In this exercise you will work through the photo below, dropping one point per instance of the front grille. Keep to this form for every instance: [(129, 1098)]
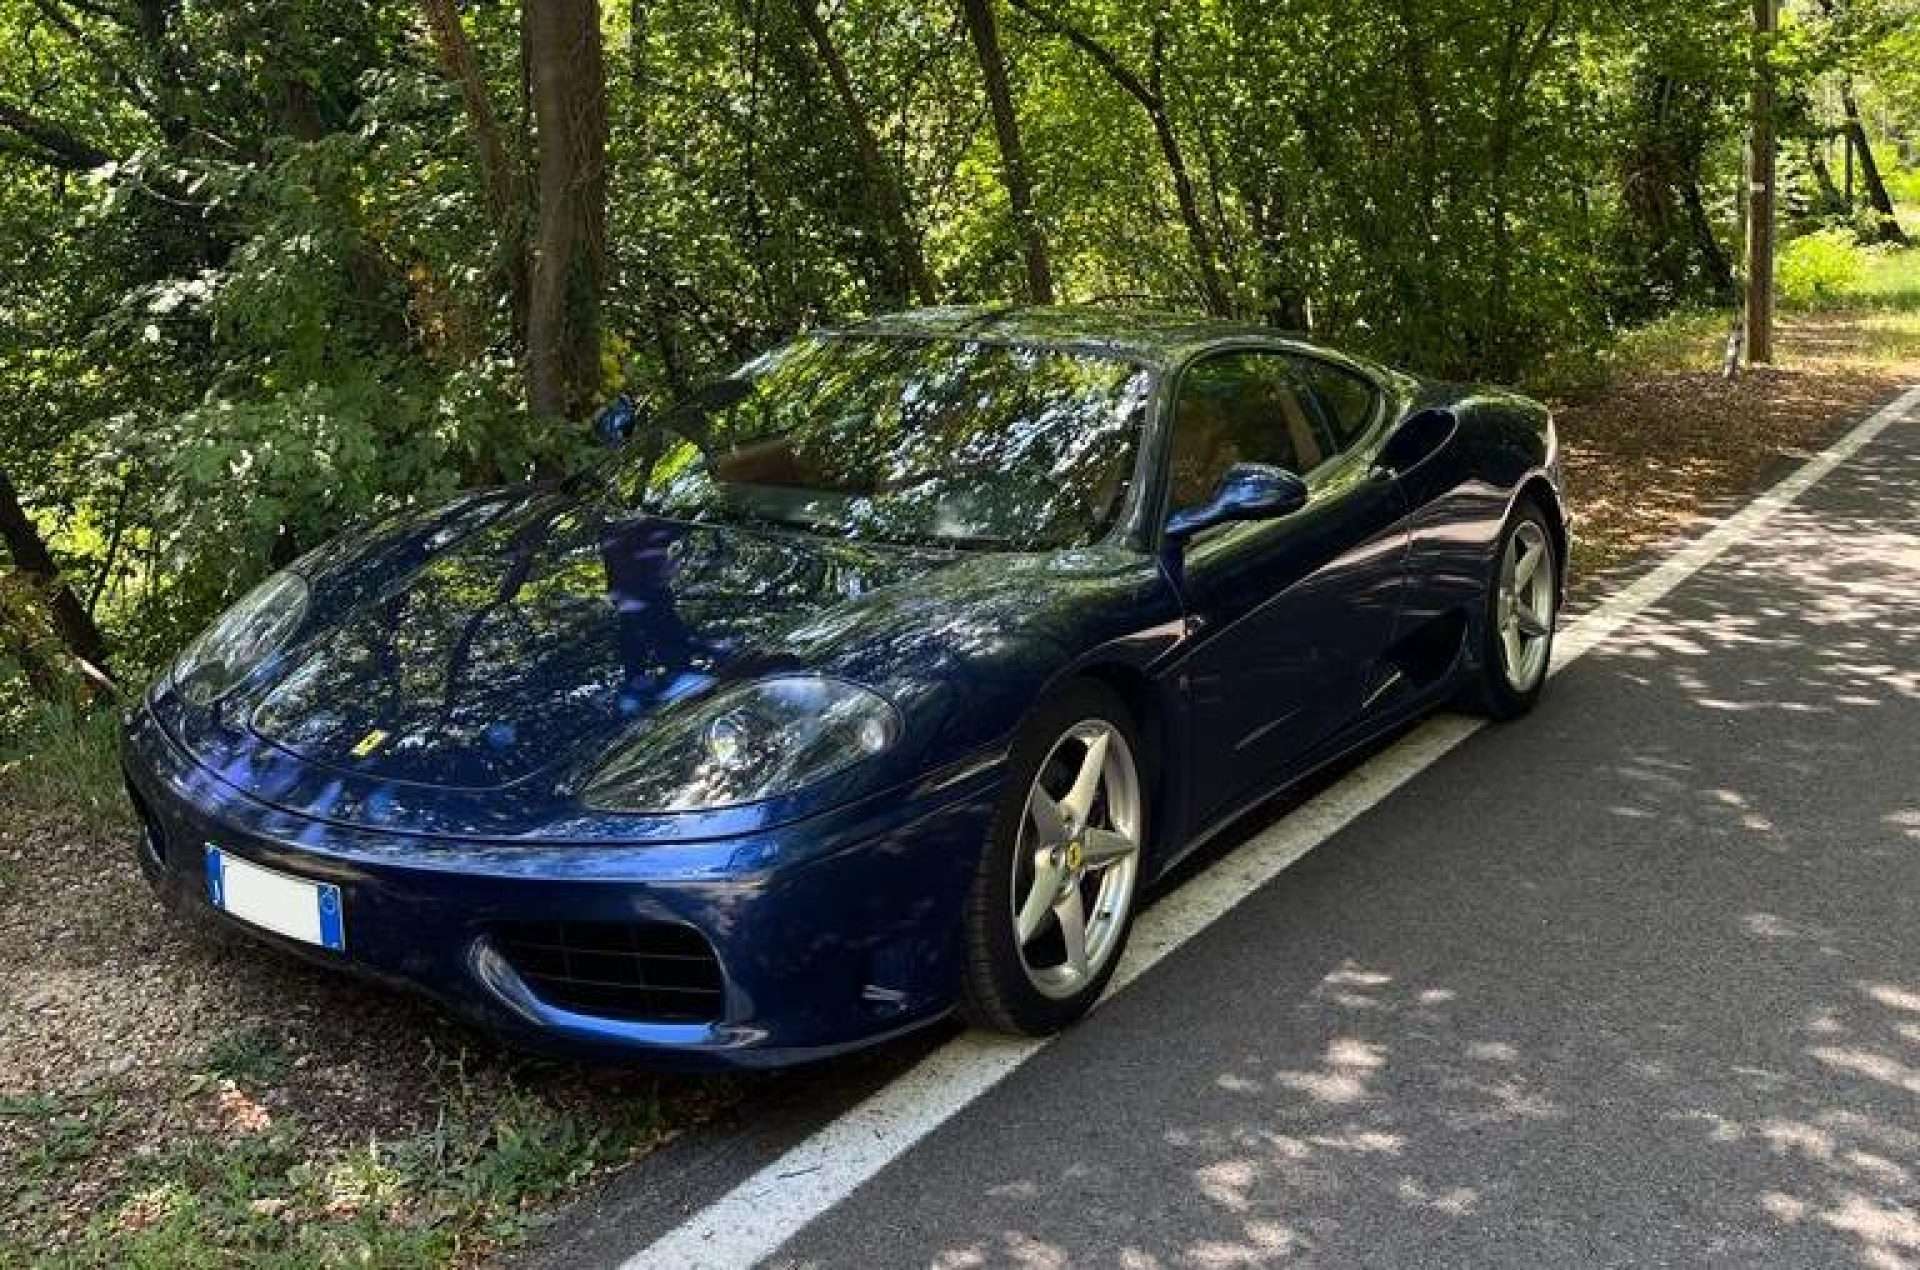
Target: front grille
[(646, 972)]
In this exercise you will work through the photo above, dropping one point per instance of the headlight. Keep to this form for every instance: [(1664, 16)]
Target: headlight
[(239, 639), (745, 744)]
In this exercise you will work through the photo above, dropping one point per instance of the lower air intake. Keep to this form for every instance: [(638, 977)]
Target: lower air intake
[(641, 972)]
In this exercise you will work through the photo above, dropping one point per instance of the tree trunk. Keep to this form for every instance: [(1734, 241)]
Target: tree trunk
[(1414, 53), (500, 172), (1763, 152), (1285, 300), (1830, 197), (1212, 290), (31, 557), (1889, 230), (1712, 255), (1520, 60), (1013, 157), (890, 202), (566, 68)]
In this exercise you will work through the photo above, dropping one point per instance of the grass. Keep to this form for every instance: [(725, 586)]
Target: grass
[(472, 1184), (1875, 296), (246, 1186), (249, 1055), (63, 758), (65, 1133), (1891, 279)]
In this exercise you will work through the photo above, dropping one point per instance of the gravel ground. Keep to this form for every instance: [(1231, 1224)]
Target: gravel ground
[(173, 1094)]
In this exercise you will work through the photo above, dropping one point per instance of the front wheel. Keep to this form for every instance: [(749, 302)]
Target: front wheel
[(1523, 597), (1052, 900)]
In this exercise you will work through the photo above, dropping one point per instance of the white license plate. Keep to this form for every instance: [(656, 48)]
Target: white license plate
[(280, 902)]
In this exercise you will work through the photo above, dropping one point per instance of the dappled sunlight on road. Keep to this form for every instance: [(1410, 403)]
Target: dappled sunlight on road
[(1635, 979)]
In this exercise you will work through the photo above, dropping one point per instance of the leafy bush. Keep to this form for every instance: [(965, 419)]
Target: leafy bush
[(1893, 278), (1688, 339), (1820, 269), (1903, 184)]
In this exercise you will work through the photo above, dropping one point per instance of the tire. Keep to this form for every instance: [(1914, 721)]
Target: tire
[(1033, 986), (1500, 689)]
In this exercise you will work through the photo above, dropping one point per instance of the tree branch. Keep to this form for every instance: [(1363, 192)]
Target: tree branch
[(500, 171), (54, 146), (126, 79), (887, 187), (1108, 60), (1213, 290), (30, 555)]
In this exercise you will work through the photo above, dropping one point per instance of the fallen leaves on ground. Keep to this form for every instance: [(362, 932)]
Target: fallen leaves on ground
[(1650, 457)]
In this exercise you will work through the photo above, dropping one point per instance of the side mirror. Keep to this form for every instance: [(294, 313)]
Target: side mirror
[(614, 422), (1247, 491)]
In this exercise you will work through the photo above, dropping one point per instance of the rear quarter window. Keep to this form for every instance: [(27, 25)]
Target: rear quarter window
[(1346, 398)]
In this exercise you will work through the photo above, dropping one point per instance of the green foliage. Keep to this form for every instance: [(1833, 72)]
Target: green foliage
[(1904, 184), (1820, 270), (251, 288), (1890, 279), (61, 757), (1687, 339)]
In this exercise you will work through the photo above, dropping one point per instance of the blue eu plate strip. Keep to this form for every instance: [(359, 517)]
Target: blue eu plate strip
[(215, 878), (330, 933)]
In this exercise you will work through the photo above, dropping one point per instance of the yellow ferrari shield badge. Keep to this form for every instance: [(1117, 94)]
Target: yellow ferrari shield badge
[(369, 743)]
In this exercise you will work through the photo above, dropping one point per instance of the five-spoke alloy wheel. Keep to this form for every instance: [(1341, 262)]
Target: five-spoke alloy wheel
[(1079, 850), (1523, 596), (1053, 899), (1524, 603)]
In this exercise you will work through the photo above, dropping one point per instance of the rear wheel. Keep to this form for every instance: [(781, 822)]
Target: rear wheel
[(1052, 902), (1523, 598)]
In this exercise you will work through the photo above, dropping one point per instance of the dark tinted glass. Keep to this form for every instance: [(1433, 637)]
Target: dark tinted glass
[(1345, 399), (931, 441), (1242, 408)]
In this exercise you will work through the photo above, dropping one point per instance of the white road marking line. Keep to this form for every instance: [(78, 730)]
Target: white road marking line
[(1624, 605), (761, 1213)]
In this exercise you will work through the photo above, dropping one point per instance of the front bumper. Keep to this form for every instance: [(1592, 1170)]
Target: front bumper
[(841, 948)]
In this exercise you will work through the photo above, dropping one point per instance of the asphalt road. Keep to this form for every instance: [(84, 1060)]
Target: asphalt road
[(1633, 981)]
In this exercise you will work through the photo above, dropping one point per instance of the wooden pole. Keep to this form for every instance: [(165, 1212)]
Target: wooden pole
[(1737, 333), (1760, 189)]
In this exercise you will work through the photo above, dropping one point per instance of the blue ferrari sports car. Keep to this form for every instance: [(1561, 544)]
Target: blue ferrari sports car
[(874, 681)]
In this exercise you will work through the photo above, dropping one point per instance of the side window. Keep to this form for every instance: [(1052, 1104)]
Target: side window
[(1241, 407), (1343, 399)]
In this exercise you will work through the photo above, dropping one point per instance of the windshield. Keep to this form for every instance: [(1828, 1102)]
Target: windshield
[(932, 441)]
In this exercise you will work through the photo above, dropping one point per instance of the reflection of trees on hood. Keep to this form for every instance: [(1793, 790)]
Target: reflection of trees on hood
[(655, 642)]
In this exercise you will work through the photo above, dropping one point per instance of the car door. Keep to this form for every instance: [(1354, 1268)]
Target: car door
[(1286, 617)]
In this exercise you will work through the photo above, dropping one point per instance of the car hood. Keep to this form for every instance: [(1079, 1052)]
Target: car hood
[(543, 633)]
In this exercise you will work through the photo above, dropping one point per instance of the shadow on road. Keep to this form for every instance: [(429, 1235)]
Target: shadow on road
[(1635, 980)]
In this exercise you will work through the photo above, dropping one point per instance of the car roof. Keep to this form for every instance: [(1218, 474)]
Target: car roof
[(1145, 335)]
